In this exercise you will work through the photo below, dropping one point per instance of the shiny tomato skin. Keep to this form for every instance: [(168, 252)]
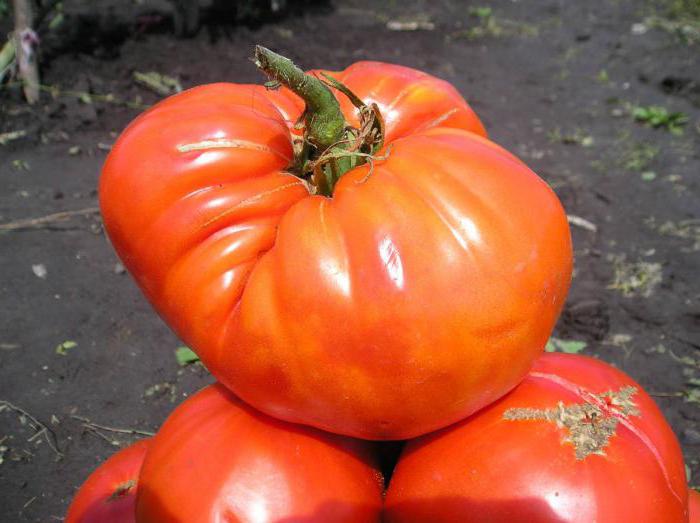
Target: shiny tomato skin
[(420, 292), (109, 493), (505, 464), (693, 506), (215, 459)]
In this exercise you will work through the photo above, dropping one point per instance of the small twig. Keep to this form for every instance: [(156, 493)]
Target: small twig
[(30, 223), (692, 362), (97, 433), (160, 84), (37, 435), (666, 394), (56, 91), (95, 426), (37, 425), (26, 43), (413, 25), (10, 136), (581, 222)]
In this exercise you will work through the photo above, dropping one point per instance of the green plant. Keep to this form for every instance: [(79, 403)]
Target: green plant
[(687, 9), (489, 25), (660, 117), (567, 346), (481, 12), (680, 18), (603, 77), (577, 137), (639, 156), (638, 278)]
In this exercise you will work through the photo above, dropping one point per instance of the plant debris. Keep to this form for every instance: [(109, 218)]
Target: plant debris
[(590, 424), (39, 270), (11, 136), (688, 230), (159, 83), (40, 428), (20, 165), (185, 356), (98, 430), (489, 25), (577, 137), (48, 220), (578, 221), (566, 346), (638, 278), (410, 25), (63, 347)]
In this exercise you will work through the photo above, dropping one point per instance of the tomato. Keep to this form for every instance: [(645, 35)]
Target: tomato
[(420, 291), (577, 441), (215, 459), (109, 493), (693, 506)]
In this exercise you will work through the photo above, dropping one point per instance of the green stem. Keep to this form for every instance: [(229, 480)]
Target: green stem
[(324, 122), (330, 146)]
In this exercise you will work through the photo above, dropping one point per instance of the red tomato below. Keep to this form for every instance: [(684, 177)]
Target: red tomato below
[(217, 460), (578, 441), (694, 506), (109, 493)]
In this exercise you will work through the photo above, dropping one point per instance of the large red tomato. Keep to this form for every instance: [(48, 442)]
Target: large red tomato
[(109, 493), (217, 460), (421, 291), (693, 506), (577, 441)]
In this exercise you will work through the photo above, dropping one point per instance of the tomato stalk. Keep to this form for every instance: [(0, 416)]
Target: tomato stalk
[(330, 147)]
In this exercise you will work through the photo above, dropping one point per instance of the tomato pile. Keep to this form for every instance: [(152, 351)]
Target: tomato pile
[(356, 262)]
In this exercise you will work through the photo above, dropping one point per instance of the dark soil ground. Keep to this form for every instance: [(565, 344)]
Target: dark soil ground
[(555, 81)]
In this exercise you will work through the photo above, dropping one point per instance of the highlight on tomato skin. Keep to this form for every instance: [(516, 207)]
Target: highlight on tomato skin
[(109, 493), (578, 441), (215, 459), (419, 292)]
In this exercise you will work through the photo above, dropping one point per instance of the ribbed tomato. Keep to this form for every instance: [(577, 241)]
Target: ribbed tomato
[(109, 493), (217, 460), (419, 292), (577, 441)]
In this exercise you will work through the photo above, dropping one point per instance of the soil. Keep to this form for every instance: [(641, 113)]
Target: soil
[(554, 81)]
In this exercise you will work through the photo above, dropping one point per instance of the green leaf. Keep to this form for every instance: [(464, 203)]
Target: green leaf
[(185, 356), (64, 347), (641, 113), (657, 116), (567, 346), (56, 21), (692, 395), (481, 12)]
